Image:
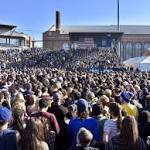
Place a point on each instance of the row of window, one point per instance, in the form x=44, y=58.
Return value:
x=12, y=41
x=134, y=50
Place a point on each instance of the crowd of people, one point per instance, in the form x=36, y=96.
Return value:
x=80, y=59
x=47, y=102
x=53, y=109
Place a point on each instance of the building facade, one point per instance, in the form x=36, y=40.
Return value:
x=131, y=41
x=10, y=38
x=134, y=45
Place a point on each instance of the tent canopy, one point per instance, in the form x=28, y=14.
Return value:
x=142, y=63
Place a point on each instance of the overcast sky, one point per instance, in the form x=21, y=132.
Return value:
x=36, y=16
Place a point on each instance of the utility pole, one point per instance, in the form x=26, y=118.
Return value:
x=118, y=28
x=118, y=15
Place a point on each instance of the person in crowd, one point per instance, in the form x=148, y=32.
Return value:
x=65, y=98
x=43, y=106
x=33, y=136
x=84, y=139
x=129, y=108
x=112, y=126
x=104, y=100
x=56, y=86
x=90, y=96
x=117, y=95
x=128, y=139
x=74, y=95
x=60, y=112
x=99, y=115
x=19, y=120
x=45, y=94
x=108, y=93
x=57, y=108
x=28, y=91
x=32, y=104
x=9, y=139
x=144, y=125
x=56, y=80
x=19, y=104
x=147, y=103
x=137, y=90
x=143, y=93
x=83, y=120
x=72, y=112
x=1, y=98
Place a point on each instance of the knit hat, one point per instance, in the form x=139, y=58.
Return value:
x=5, y=114
x=126, y=96
x=82, y=105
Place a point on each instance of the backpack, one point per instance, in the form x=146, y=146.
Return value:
x=50, y=135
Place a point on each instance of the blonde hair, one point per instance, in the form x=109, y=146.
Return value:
x=105, y=100
x=20, y=97
x=19, y=104
x=108, y=92
x=137, y=87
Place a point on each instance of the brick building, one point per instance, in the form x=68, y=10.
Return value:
x=131, y=41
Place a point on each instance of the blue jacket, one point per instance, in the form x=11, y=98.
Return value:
x=8, y=140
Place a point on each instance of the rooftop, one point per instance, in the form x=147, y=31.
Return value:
x=9, y=30
x=126, y=29
x=13, y=34
x=7, y=26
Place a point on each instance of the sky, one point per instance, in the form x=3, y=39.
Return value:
x=36, y=16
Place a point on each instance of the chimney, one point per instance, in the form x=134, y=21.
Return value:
x=57, y=20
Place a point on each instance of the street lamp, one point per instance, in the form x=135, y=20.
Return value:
x=118, y=15
x=118, y=28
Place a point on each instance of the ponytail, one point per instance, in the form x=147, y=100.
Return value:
x=119, y=121
x=116, y=111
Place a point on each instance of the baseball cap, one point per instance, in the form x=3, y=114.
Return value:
x=5, y=114
x=82, y=105
x=126, y=96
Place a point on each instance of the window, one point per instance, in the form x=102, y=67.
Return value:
x=65, y=46
x=81, y=39
x=74, y=46
x=138, y=49
x=122, y=51
x=14, y=42
x=2, y=41
x=7, y=41
x=146, y=46
x=21, y=42
x=104, y=43
x=128, y=53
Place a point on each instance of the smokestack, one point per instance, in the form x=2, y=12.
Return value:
x=57, y=20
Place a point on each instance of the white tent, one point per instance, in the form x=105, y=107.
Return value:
x=142, y=63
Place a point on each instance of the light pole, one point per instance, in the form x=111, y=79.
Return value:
x=118, y=15
x=118, y=28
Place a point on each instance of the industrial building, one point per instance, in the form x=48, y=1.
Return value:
x=130, y=41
